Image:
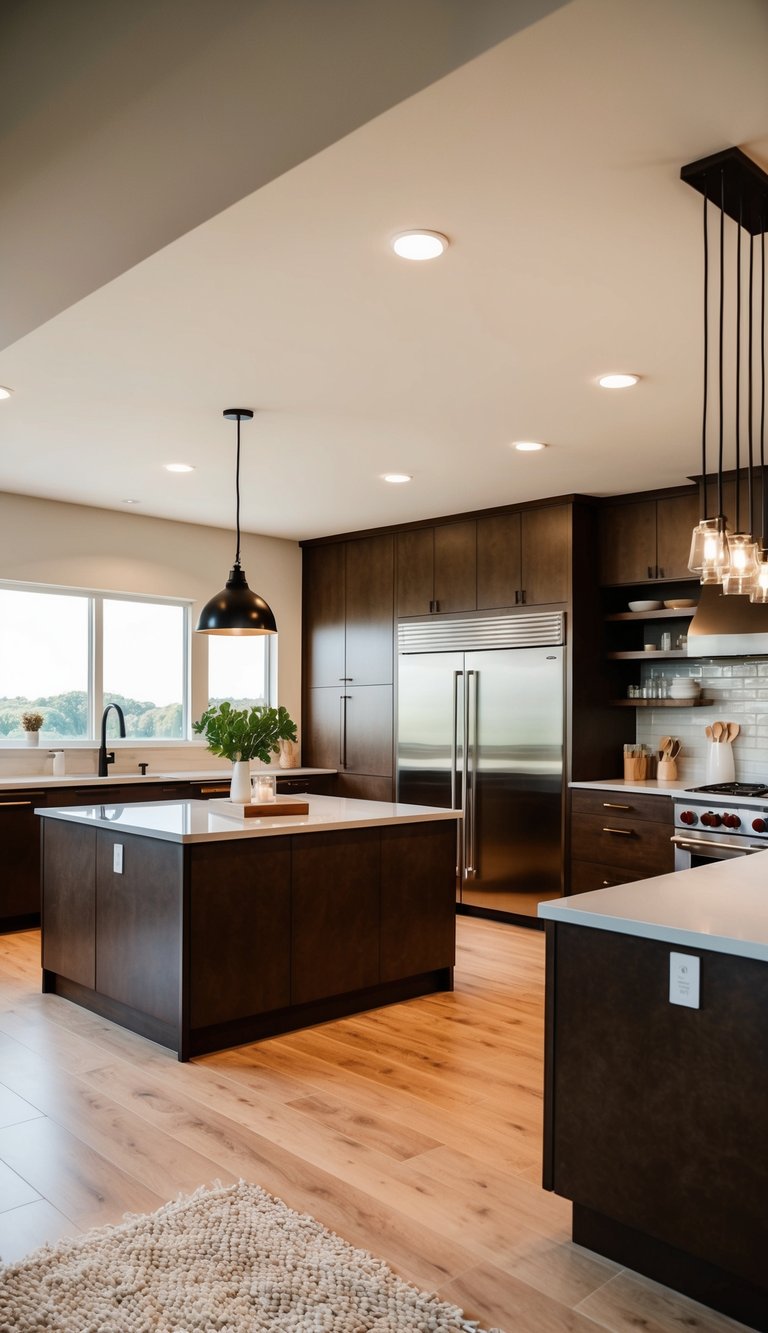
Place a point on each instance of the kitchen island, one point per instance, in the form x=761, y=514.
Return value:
x=656, y=1083
x=200, y=930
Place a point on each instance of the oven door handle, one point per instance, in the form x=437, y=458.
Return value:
x=718, y=850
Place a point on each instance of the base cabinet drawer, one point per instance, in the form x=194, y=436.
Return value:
x=616, y=803
x=587, y=876
x=631, y=844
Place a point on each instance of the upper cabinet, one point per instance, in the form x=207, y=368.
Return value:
x=502, y=560
x=643, y=541
x=348, y=612
x=437, y=569
x=524, y=559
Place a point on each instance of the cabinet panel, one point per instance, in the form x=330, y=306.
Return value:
x=69, y=906
x=138, y=924
x=368, y=730
x=418, y=924
x=587, y=876
x=359, y=787
x=240, y=927
x=546, y=554
x=623, y=842
x=415, y=572
x=498, y=561
x=456, y=566
x=323, y=612
x=370, y=575
x=335, y=898
x=627, y=805
x=20, y=842
x=676, y=517
x=628, y=542
x=322, y=731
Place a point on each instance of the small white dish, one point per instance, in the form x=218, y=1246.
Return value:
x=644, y=606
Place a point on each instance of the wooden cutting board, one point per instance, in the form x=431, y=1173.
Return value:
x=282, y=805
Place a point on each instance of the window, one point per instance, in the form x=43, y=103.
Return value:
x=67, y=654
x=239, y=669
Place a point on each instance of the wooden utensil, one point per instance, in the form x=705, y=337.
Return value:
x=665, y=743
x=717, y=730
x=708, y=733
x=733, y=731
x=674, y=749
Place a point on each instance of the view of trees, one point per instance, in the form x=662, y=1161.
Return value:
x=67, y=715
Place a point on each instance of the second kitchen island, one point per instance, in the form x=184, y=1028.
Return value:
x=200, y=930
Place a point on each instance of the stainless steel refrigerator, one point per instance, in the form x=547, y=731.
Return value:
x=480, y=728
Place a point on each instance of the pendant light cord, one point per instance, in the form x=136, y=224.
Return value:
x=763, y=495
x=738, y=372
x=237, y=493
x=704, y=505
x=750, y=441
x=720, y=350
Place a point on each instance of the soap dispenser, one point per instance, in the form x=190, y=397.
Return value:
x=59, y=763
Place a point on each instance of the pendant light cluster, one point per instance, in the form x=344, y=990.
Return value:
x=236, y=610
x=737, y=189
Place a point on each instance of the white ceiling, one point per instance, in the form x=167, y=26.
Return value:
x=552, y=162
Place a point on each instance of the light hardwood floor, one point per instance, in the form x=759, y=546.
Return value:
x=413, y=1131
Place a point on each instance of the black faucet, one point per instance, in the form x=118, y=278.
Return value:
x=104, y=757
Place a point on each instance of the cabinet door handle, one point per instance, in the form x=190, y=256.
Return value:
x=611, y=805
x=608, y=883
x=660, y=571
x=213, y=791
x=650, y=571
x=343, y=730
x=522, y=596
x=622, y=832
x=517, y=596
x=6, y=804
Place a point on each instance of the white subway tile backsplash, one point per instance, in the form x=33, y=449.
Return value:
x=736, y=692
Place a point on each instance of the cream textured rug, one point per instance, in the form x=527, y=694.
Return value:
x=233, y=1260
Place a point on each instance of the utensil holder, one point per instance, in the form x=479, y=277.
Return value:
x=635, y=768
x=720, y=765
x=667, y=771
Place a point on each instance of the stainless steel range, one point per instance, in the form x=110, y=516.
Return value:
x=719, y=822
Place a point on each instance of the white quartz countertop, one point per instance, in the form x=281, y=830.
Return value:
x=722, y=907
x=113, y=779
x=205, y=821
x=650, y=787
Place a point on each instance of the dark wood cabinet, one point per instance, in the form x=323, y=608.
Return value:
x=437, y=569
x=644, y=540
x=417, y=896
x=524, y=559
x=336, y=886
x=20, y=842
x=350, y=729
x=69, y=901
x=369, y=615
x=323, y=597
x=617, y=838
x=138, y=915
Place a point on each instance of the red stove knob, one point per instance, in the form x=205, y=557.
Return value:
x=759, y=825
x=687, y=817
x=711, y=819
x=731, y=821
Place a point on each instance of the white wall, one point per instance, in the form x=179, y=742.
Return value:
x=45, y=541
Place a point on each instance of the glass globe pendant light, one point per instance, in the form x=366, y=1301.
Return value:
x=236, y=610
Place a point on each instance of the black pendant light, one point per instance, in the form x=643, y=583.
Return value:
x=236, y=610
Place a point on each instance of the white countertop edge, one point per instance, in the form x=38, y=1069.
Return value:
x=231, y=828
x=24, y=782
x=722, y=907
x=650, y=787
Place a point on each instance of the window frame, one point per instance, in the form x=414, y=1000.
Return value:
x=96, y=598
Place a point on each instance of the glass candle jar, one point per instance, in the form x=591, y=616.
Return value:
x=263, y=788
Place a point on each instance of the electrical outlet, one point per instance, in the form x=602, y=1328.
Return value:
x=684, y=975
x=117, y=858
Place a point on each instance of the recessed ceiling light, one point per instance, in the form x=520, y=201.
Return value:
x=178, y=467
x=617, y=381
x=528, y=446
x=5, y=393
x=130, y=502
x=397, y=478
x=420, y=244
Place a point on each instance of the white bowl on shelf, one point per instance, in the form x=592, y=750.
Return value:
x=644, y=606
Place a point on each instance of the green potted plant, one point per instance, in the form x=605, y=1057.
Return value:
x=32, y=722
x=243, y=734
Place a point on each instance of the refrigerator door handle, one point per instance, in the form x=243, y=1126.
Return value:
x=470, y=741
x=457, y=675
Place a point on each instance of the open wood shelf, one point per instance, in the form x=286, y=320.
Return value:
x=673, y=614
x=641, y=656
x=660, y=703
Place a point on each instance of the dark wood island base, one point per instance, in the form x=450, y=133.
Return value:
x=202, y=945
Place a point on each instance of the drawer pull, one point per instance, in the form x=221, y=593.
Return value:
x=622, y=832
x=6, y=804
x=213, y=791
x=611, y=805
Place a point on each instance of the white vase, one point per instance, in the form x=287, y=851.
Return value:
x=32, y=737
x=240, y=786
